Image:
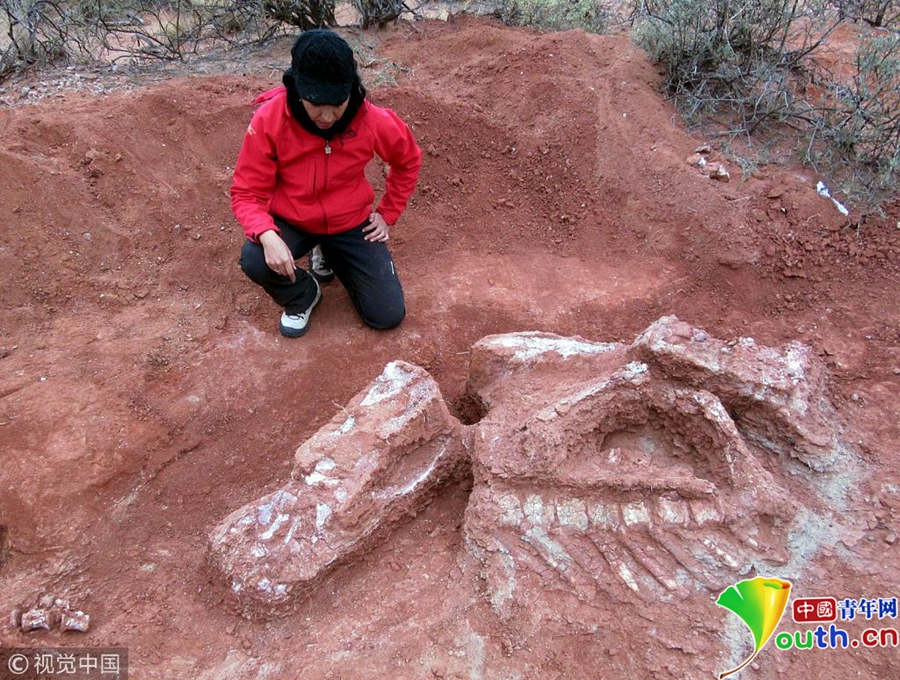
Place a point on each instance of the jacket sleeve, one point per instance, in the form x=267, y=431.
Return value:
x=255, y=174
x=395, y=144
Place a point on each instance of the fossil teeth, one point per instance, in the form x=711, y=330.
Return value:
x=537, y=512
x=511, y=511
x=726, y=557
x=618, y=566
x=676, y=546
x=635, y=513
x=658, y=563
x=576, y=512
x=673, y=512
x=605, y=516
x=705, y=512
x=714, y=551
x=572, y=512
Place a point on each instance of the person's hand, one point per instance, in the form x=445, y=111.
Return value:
x=278, y=256
x=378, y=229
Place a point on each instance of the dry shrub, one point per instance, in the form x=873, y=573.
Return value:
x=878, y=13
x=37, y=33
x=749, y=67
x=593, y=16
x=379, y=12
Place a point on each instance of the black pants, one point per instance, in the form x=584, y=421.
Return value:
x=365, y=268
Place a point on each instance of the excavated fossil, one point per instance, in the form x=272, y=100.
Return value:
x=601, y=471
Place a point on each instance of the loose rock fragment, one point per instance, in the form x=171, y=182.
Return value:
x=50, y=612
x=696, y=160
x=719, y=173
x=36, y=619
x=76, y=621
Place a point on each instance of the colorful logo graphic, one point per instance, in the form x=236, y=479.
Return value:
x=759, y=602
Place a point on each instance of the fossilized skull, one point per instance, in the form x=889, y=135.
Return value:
x=602, y=472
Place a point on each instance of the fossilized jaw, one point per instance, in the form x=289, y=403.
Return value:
x=354, y=479
x=635, y=483
x=659, y=535
x=599, y=437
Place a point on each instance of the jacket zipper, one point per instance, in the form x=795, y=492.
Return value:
x=325, y=186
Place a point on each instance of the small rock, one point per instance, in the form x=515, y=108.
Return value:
x=696, y=160
x=720, y=174
x=891, y=538
x=15, y=618
x=703, y=148
x=78, y=622
x=35, y=619
x=754, y=666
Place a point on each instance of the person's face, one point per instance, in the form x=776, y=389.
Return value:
x=325, y=116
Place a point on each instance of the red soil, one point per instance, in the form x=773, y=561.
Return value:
x=146, y=392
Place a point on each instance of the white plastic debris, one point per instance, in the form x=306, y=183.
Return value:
x=823, y=191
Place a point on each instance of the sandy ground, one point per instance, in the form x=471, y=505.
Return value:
x=145, y=392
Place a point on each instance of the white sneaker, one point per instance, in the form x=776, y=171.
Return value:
x=318, y=267
x=295, y=324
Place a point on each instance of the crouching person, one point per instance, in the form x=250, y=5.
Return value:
x=300, y=187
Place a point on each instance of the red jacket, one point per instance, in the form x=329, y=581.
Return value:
x=321, y=187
